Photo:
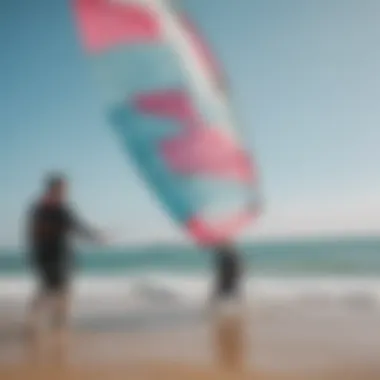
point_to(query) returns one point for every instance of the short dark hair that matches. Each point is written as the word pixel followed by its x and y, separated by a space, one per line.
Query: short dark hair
pixel 54 180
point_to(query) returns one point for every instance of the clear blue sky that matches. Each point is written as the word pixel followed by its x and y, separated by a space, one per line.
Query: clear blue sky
pixel 305 77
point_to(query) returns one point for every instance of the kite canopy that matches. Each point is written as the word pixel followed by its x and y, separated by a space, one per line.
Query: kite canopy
pixel 166 99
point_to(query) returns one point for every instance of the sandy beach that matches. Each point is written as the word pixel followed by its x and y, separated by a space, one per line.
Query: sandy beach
pixel 283 342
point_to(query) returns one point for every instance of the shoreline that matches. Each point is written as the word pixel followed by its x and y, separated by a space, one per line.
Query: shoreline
pixel 136 335
pixel 262 345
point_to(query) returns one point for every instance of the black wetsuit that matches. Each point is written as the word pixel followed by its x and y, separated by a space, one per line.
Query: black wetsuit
pixel 229 272
pixel 50 227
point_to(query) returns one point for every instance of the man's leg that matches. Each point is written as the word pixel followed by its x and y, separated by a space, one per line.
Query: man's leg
pixel 61 306
pixel 60 290
pixel 40 301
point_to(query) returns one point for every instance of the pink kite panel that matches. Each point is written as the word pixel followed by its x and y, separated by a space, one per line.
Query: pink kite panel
pixel 105 23
pixel 200 149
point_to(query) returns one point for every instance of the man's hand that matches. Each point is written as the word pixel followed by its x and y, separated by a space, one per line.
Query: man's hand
pixel 106 237
pixel 102 238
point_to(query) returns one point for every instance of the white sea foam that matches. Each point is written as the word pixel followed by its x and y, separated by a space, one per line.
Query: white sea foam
pixel 157 289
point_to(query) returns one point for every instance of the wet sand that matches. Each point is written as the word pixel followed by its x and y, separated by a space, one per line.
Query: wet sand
pixel 283 343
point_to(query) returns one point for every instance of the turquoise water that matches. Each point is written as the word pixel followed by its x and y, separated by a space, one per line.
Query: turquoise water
pixel 344 257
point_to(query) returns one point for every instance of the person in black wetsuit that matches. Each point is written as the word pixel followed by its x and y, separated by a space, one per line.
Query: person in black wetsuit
pixel 228 272
pixel 51 224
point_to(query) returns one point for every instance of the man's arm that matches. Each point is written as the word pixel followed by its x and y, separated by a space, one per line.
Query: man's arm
pixel 80 227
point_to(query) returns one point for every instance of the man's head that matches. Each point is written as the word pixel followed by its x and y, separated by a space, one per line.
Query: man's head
pixel 56 188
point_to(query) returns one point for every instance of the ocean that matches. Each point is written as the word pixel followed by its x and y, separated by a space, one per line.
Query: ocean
pixel 323 257
pixel 321 270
